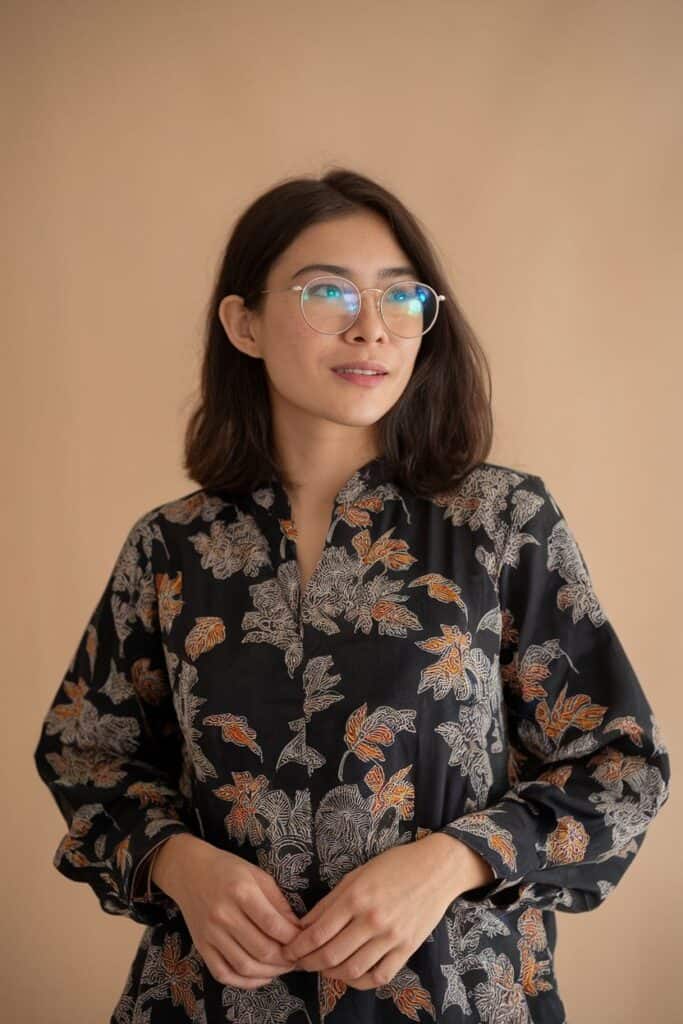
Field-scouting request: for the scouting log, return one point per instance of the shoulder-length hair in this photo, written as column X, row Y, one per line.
column 439, row 429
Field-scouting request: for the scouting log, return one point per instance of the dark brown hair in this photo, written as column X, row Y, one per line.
column 440, row 427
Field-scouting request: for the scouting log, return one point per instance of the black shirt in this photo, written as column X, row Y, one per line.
column 453, row 644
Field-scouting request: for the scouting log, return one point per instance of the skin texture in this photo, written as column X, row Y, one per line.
column 363, row 931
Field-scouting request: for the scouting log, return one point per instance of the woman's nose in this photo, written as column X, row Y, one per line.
column 369, row 316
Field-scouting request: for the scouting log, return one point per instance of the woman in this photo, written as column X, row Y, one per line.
column 348, row 723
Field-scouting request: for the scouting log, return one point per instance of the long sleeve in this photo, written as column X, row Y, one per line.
column 110, row 747
column 587, row 766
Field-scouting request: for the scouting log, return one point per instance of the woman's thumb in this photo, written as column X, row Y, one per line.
column 281, row 902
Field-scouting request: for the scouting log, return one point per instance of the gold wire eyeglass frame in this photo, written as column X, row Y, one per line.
column 359, row 291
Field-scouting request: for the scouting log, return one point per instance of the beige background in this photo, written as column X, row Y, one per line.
column 542, row 145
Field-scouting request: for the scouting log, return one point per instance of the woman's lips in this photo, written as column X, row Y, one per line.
column 365, row 380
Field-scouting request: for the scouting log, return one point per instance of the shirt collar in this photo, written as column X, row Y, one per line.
column 271, row 496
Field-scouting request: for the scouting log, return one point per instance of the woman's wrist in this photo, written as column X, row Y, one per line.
column 171, row 861
column 469, row 869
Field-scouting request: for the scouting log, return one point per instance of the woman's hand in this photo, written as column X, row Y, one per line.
column 236, row 913
column 366, row 928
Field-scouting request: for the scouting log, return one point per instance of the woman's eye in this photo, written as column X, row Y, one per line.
column 326, row 291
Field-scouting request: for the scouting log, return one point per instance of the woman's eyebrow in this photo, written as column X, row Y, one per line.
column 332, row 268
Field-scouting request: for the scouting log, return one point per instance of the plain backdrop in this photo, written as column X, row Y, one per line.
column 541, row 145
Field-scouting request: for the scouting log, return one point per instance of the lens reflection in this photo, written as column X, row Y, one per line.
column 330, row 304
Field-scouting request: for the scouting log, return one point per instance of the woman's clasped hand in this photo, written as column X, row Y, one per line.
column 366, row 928
column 237, row 915
column 362, row 932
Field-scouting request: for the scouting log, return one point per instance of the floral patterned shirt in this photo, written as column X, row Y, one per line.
column 448, row 667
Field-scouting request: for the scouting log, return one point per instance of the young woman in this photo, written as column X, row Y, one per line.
column 348, row 723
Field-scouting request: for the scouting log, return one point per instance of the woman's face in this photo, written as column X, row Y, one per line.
column 298, row 359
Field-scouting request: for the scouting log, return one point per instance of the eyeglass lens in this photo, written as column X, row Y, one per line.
column 330, row 304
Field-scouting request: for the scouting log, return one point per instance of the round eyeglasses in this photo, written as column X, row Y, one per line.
column 331, row 305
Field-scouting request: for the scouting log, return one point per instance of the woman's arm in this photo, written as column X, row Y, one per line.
column 587, row 765
column 109, row 749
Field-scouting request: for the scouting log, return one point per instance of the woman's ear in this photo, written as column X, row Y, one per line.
column 238, row 322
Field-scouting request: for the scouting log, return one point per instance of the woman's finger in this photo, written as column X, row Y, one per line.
column 225, row 975
column 357, row 967
column 278, row 899
column 260, row 908
column 253, row 942
column 347, row 942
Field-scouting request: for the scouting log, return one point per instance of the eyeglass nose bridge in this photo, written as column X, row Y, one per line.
column 378, row 304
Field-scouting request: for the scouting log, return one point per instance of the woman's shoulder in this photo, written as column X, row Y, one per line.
column 496, row 482
column 170, row 520
column 495, row 498
column 200, row 503
column 492, row 472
